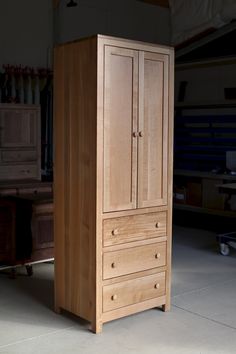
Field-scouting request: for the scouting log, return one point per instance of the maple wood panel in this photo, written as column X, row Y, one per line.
column 153, row 130
column 75, row 173
column 120, row 122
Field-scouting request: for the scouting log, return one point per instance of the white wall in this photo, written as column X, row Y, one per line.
column 26, row 32
column 124, row 18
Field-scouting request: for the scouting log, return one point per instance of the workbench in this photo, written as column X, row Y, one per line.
column 26, row 223
column 227, row 240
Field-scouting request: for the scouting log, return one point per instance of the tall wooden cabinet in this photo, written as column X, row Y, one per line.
column 113, row 177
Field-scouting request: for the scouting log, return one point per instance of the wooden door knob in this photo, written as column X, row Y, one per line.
column 157, row 286
column 157, row 225
column 140, row 134
column 114, row 232
column 157, row 255
column 114, row 297
column 135, row 134
column 113, row 265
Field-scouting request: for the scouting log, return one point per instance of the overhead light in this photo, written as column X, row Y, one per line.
column 72, row 3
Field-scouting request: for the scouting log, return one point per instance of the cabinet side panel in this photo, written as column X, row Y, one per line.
column 170, row 176
column 59, row 178
column 75, row 178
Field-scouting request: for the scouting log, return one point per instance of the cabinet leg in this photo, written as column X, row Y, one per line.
column 96, row 327
column 166, row 307
column 29, row 270
column 13, row 273
column 57, row 309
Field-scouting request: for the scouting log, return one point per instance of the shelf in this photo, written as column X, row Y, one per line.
column 205, row 105
column 5, row 267
column 162, row 3
column 228, row 188
column 195, row 209
column 202, row 174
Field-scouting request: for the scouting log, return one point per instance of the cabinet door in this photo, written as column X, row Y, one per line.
column 18, row 127
column 120, row 127
column 153, row 129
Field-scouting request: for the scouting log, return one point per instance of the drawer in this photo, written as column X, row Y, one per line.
column 132, row 260
column 19, row 172
column 133, row 228
column 18, row 156
column 133, row 291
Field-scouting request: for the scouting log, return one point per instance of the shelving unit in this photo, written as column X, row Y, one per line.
column 206, row 105
column 201, row 142
column 197, row 191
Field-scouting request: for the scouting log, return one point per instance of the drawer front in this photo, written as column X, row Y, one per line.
column 18, row 156
column 132, row 260
column 133, row 291
column 19, row 172
column 133, row 228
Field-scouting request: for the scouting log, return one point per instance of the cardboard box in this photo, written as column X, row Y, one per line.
column 180, row 195
column 194, row 194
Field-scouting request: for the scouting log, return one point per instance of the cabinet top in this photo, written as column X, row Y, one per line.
column 110, row 40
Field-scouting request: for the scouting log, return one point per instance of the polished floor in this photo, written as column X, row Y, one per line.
column 202, row 319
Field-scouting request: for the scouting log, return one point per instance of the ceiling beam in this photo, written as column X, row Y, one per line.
column 162, row 3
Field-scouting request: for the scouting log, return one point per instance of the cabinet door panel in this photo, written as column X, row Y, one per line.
column 153, row 129
column 18, row 127
column 120, row 122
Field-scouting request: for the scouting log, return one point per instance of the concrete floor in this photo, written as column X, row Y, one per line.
column 202, row 319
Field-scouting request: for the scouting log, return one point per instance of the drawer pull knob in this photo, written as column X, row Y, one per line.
column 140, row 134
column 135, row 134
column 114, row 297
column 113, row 265
column 114, row 232
column 158, row 255
column 157, row 286
column 157, row 225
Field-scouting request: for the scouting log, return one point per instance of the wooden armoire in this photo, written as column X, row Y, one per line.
column 113, row 120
